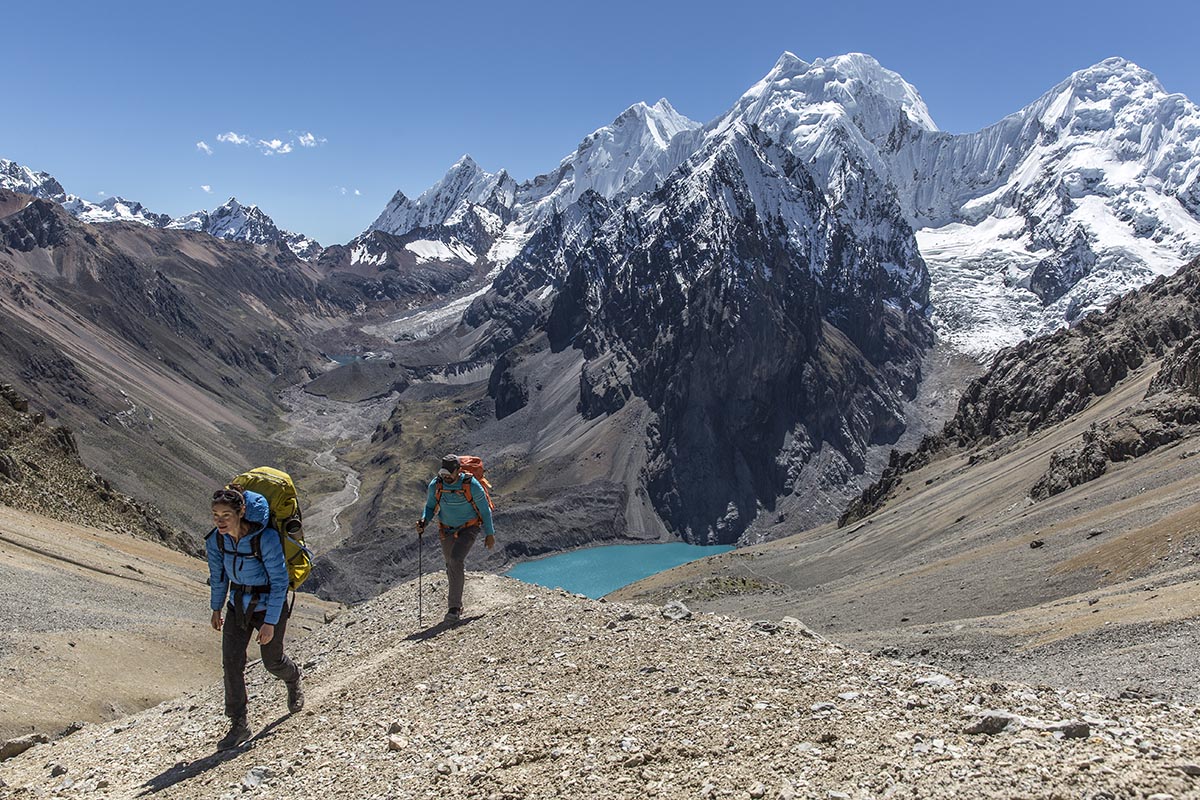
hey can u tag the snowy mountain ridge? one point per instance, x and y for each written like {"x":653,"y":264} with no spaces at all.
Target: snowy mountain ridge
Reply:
{"x":1050,"y":213}
{"x":231,"y":221}
{"x":1087,"y":193}
{"x":496,"y":216}
{"x":240,"y":223}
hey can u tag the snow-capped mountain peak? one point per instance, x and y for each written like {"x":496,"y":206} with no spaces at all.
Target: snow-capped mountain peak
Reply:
{"x":1088,"y":192}
{"x":661,"y":121}
{"x":18,"y":178}
{"x":241,"y":223}
{"x":464,"y":186}
{"x":882,"y":81}
{"x":632,"y":154}
{"x":856,"y":83}
{"x":832,"y":112}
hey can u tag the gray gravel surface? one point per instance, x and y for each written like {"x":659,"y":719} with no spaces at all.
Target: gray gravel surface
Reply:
{"x":540,"y":694}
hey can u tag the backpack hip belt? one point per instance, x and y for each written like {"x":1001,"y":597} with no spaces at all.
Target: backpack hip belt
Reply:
{"x":241,"y":588}
{"x":445,"y":530}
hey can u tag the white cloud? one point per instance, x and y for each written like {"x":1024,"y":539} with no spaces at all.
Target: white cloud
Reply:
{"x":268,"y":147}
{"x":102,"y":193}
{"x":203,"y":147}
{"x":357,"y":193}
{"x":275,"y":146}
{"x":207,"y":189}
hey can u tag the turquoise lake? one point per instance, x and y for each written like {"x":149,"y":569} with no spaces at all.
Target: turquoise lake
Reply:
{"x":596,"y":571}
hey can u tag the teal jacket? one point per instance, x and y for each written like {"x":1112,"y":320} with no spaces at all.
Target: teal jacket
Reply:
{"x":455,"y":511}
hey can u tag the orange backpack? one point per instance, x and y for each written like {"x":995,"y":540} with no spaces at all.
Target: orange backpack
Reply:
{"x":474,"y":466}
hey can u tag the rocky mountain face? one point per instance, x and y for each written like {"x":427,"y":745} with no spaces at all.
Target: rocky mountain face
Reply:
{"x":775,"y":290}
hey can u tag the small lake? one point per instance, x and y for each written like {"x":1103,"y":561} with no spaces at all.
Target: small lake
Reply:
{"x":596,"y":571}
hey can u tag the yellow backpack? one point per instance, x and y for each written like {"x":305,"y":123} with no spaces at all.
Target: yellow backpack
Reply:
{"x":277,"y":486}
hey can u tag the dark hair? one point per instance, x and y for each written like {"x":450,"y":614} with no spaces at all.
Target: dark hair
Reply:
{"x":230,"y":496}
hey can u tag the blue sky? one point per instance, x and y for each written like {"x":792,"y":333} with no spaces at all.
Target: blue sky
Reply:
{"x":114,"y":97}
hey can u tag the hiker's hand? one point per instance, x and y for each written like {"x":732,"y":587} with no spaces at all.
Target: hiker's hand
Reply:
{"x":420,"y":527}
{"x":265,"y":634}
{"x":489,"y":542}
{"x":216,"y":620}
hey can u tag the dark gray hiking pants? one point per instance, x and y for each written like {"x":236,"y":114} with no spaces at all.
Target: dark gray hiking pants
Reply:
{"x":455,"y":549}
{"x":236,"y":634}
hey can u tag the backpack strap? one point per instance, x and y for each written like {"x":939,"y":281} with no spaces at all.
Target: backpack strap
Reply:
{"x":466,"y":478}
{"x":466,"y":485}
{"x":256,"y":549}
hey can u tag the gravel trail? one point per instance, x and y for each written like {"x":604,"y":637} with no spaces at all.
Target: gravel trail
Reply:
{"x":540,"y":694}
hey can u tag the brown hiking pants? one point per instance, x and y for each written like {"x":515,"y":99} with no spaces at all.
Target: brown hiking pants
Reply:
{"x":455,"y":547}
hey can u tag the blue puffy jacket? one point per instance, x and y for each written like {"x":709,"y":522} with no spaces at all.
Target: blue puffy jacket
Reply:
{"x":233,"y":560}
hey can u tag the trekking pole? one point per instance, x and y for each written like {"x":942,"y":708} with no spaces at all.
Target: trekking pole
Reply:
{"x":420,"y":574}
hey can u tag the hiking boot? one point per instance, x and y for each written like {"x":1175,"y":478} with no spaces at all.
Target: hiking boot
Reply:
{"x":295,"y":696}
{"x":238,"y":733}
{"x":453,"y":615}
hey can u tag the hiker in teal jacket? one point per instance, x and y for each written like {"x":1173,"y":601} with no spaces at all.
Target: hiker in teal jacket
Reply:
{"x":246,"y":563}
{"x":462,"y":510}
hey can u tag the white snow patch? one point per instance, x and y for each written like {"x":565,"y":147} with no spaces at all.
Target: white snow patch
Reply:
{"x":434,"y":250}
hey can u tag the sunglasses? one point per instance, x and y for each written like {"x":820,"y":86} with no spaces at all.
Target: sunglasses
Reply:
{"x":230,"y":497}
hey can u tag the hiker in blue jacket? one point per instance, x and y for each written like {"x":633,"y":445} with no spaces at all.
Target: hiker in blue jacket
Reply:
{"x":246,"y":563}
{"x":461,"y":510}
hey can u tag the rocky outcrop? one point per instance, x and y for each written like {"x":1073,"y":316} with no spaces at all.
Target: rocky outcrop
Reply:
{"x":509,"y":390}
{"x":1169,"y":413}
{"x":1056,"y":275}
{"x":36,"y":225}
{"x":40,"y":471}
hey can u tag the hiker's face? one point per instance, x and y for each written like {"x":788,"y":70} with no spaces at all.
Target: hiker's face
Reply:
{"x":226,"y":518}
{"x":452,"y":477}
